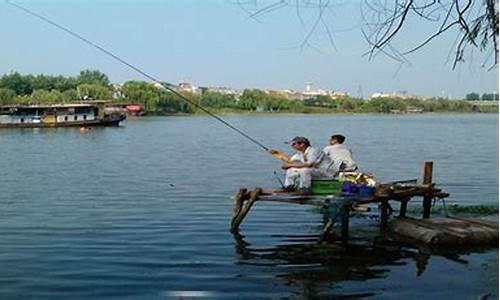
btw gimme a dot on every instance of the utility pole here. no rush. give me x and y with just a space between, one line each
360 91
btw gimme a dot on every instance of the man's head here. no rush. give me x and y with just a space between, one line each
300 143
337 139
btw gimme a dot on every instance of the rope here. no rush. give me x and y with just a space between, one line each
122 61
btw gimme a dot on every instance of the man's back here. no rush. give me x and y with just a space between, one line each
339 153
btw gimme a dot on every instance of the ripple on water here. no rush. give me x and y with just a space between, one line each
143 211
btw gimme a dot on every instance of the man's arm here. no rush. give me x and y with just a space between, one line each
297 165
279 155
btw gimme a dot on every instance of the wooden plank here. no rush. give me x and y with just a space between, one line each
319 203
476 222
436 226
424 232
290 196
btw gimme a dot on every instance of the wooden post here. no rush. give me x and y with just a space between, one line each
384 214
402 208
426 205
325 232
239 202
344 229
237 219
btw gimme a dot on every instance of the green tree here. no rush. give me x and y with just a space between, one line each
22 99
217 100
21 85
46 97
6 96
472 96
92 77
155 99
49 83
94 91
347 104
489 97
171 103
384 105
69 96
142 93
252 99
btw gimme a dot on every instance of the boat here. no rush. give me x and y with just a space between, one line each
130 109
59 115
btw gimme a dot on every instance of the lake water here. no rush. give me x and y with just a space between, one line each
143 211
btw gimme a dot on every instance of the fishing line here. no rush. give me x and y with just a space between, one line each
122 61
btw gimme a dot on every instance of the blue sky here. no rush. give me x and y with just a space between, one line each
216 43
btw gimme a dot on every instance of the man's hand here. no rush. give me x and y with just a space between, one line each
279 155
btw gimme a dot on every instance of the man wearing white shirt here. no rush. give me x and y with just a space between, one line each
303 166
340 155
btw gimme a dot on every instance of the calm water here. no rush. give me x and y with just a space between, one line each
143 211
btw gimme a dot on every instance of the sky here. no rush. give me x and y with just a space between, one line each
217 43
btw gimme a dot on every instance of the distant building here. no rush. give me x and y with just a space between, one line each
188 87
223 90
289 94
309 92
164 84
117 91
181 87
338 94
399 95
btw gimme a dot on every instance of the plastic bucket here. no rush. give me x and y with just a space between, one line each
326 186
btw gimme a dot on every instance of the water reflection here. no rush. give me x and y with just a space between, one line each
312 266
315 268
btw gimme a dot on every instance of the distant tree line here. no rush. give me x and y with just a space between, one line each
92 84
484 97
89 84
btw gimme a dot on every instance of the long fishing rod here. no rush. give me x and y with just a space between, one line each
122 61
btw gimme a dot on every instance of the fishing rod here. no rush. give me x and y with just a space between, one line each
131 66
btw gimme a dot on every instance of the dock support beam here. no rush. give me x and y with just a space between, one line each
384 214
326 231
427 180
241 210
402 208
344 227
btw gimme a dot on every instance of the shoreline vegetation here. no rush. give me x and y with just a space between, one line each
17 89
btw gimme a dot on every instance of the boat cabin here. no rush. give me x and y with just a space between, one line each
56 115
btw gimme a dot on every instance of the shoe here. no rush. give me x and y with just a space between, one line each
288 189
304 191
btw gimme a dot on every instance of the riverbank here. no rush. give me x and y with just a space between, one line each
17 89
236 112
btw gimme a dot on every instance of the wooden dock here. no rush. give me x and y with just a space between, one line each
449 230
342 205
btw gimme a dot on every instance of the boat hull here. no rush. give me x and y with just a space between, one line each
87 123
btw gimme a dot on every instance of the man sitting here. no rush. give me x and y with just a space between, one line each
303 166
340 155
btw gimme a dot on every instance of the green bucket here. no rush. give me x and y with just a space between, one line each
326 186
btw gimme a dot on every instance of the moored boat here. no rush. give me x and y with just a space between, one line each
58 115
